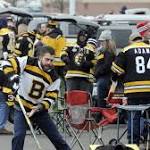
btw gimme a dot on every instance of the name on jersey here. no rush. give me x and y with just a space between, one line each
142 50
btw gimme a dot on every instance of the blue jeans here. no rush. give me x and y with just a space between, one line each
103 85
136 119
77 83
4 111
136 127
44 122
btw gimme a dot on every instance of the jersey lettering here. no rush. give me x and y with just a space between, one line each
36 90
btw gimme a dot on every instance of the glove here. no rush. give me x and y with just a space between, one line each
65 59
14 82
5 55
35 109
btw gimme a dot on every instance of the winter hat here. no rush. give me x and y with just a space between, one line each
142 27
92 41
105 35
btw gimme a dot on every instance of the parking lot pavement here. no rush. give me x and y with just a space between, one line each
109 132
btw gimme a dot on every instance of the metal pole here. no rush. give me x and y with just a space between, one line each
72 7
29 123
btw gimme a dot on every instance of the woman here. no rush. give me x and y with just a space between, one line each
105 56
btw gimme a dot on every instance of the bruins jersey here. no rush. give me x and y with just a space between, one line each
133 63
35 86
57 41
24 45
5 39
75 69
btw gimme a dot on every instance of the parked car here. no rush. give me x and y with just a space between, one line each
121 26
70 25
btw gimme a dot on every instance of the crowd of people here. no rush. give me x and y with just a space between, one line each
35 62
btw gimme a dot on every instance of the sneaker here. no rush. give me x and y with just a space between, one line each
5 131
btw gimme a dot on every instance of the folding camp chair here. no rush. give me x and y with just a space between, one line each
78 116
57 115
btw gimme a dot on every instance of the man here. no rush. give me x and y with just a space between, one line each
55 39
4 37
79 60
4 109
38 89
133 64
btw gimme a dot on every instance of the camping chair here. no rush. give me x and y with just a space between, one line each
57 115
115 98
78 116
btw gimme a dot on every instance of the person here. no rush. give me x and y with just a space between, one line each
42 29
24 40
102 73
12 35
4 34
54 38
4 109
132 63
123 9
144 30
38 89
79 61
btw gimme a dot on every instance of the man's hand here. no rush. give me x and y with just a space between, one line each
14 81
34 110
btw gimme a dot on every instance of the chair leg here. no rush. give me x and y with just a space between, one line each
75 137
97 138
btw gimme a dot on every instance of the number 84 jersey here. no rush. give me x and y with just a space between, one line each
133 63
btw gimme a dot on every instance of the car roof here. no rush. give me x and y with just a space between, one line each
15 11
122 18
67 18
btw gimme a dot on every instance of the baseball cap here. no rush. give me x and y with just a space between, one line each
142 27
105 35
134 35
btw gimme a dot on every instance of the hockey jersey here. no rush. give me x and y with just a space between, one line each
35 86
24 45
76 67
134 64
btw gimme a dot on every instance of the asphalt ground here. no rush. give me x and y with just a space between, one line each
109 132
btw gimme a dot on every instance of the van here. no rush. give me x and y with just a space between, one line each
121 26
140 11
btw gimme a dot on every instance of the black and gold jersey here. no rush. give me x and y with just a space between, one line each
24 45
4 35
80 60
57 41
134 64
35 86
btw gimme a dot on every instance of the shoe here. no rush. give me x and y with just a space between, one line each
5 131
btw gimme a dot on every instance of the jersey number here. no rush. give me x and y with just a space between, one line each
141 65
36 90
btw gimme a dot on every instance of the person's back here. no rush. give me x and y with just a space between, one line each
133 64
